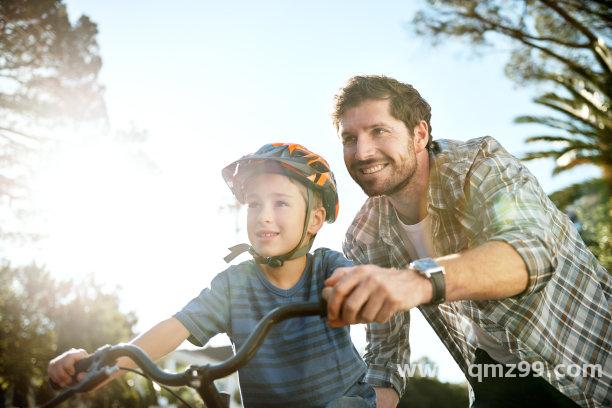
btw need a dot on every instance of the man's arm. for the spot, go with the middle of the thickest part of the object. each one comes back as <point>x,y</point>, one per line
<point>493,270</point>
<point>368,293</point>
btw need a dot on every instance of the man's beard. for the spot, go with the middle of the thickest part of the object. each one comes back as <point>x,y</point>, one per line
<point>402,177</point>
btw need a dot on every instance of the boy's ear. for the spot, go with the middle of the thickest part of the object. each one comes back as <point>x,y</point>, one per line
<point>317,218</point>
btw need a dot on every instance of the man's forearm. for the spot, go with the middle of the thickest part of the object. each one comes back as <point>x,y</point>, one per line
<point>490,271</point>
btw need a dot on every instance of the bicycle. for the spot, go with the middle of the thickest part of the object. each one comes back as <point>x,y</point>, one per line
<point>102,363</point>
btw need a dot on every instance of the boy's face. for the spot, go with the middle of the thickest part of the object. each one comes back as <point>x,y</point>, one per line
<point>276,213</point>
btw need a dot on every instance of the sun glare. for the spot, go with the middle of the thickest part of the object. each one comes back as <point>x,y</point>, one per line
<point>103,212</point>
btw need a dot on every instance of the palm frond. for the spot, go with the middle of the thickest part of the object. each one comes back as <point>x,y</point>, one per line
<point>568,195</point>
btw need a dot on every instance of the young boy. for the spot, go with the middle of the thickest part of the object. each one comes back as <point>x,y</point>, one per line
<point>290,193</point>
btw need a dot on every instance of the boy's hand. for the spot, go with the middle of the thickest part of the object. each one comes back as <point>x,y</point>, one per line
<point>61,368</point>
<point>369,293</point>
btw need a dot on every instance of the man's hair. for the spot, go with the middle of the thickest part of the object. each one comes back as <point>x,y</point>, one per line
<point>406,104</point>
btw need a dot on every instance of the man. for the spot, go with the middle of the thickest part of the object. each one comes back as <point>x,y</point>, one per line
<point>463,231</point>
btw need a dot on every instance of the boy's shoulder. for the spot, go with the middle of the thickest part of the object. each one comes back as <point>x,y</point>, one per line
<point>326,260</point>
<point>239,272</point>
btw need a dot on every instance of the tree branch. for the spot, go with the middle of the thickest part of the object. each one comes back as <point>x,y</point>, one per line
<point>600,50</point>
<point>519,35</point>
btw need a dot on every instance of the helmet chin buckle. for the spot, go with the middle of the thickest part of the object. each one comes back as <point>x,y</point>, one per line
<point>273,261</point>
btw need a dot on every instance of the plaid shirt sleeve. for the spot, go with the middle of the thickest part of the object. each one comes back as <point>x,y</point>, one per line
<point>388,346</point>
<point>511,208</point>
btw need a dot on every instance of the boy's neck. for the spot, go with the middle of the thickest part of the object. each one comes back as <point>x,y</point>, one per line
<point>286,276</point>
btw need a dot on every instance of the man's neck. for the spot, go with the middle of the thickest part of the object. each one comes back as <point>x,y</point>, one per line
<point>411,202</point>
<point>286,276</point>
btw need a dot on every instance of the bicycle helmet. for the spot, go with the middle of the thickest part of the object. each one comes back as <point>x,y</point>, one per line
<point>291,160</point>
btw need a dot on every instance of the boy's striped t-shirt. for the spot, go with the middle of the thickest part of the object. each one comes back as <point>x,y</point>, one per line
<point>303,362</point>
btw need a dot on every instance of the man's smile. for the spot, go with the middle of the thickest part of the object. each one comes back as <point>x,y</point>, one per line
<point>373,168</point>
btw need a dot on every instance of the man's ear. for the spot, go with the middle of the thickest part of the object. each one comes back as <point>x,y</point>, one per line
<point>317,218</point>
<point>421,136</point>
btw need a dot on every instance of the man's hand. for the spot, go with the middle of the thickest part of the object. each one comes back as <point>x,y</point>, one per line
<point>386,397</point>
<point>369,293</point>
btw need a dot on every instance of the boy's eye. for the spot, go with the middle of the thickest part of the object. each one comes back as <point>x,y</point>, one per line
<point>252,204</point>
<point>282,203</point>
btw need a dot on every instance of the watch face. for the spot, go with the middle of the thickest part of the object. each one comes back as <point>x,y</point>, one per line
<point>425,264</point>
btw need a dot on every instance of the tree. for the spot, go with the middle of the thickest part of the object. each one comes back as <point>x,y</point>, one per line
<point>593,217</point>
<point>561,45</point>
<point>48,77</point>
<point>40,318</point>
<point>428,392</point>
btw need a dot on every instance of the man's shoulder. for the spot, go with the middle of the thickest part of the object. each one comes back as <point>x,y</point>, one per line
<point>455,161</point>
<point>453,151</point>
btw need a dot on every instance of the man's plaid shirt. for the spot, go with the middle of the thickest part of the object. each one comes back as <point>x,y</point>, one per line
<point>478,192</point>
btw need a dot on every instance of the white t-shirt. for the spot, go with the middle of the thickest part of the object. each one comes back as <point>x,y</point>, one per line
<point>419,243</point>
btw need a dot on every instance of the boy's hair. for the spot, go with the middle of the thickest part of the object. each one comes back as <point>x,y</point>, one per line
<point>406,104</point>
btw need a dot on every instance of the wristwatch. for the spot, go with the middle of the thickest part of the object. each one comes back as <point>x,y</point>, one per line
<point>430,269</point>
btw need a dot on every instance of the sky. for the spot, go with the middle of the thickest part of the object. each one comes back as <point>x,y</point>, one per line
<point>211,81</point>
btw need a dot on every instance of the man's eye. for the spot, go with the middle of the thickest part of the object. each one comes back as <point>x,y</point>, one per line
<point>348,140</point>
<point>282,204</point>
<point>252,204</point>
<point>379,131</point>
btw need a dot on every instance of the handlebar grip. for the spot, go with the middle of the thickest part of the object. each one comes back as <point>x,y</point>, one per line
<point>323,306</point>
<point>83,364</point>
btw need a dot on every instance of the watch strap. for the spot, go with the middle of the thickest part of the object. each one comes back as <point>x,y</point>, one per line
<point>439,288</point>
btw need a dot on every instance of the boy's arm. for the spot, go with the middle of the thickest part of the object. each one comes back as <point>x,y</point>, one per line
<point>158,341</point>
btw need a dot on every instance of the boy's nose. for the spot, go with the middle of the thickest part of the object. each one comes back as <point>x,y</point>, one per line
<point>265,215</point>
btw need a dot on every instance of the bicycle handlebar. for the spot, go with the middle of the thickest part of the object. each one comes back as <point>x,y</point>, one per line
<point>99,362</point>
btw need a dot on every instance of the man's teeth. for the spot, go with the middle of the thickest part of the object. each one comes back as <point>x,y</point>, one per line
<point>373,169</point>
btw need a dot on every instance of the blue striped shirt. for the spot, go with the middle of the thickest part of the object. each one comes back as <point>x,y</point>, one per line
<point>303,362</point>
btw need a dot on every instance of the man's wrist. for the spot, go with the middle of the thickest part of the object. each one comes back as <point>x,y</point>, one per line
<point>423,287</point>
<point>434,292</point>
<point>426,289</point>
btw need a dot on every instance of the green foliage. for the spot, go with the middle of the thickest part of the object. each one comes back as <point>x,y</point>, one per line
<point>569,195</point>
<point>594,217</point>
<point>430,393</point>
<point>563,47</point>
<point>27,338</point>
<point>40,318</point>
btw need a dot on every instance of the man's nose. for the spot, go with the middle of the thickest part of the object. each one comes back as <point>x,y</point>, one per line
<point>364,148</point>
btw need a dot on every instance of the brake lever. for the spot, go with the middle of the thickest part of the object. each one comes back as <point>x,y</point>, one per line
<point>94,378</point>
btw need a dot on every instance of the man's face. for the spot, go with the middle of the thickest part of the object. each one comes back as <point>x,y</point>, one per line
<point>378,148</point>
